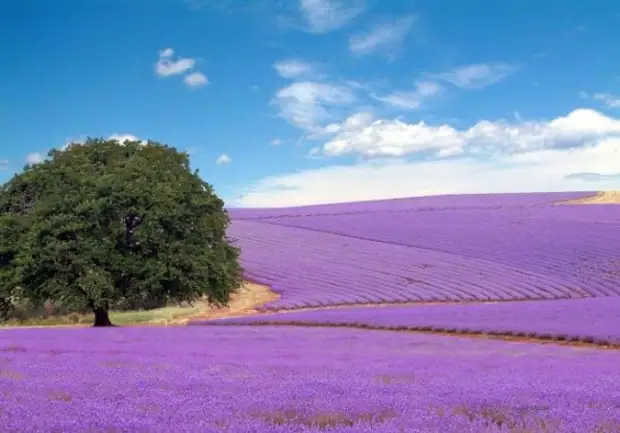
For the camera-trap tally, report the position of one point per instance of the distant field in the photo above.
(595, 320)
(294, 380)
(447, 248)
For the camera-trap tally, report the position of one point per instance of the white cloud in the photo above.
(122, 138)
(363, 135)
(276, 142)
(607, 99)
(579, 151)
(167, 66)
(306, 103)
(34, 158)
(4, 164)
(384, 37)
(412, 100)
(324, 16)
(223, 159)
(293, 68)
(478, 75)
(543, 170)
(196, 79)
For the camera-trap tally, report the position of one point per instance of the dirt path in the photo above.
(504, 336)
(604, 197)
(242, 303)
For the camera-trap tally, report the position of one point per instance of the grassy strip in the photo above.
(505, 336)
(158, 316)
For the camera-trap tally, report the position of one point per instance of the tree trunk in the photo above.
(101, 317)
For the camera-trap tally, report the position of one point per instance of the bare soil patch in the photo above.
(603, 197)
(574, 342)
(242, 303)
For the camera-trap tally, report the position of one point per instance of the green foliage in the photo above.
(103, 225)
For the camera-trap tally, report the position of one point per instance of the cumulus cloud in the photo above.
(34, 158)
(413, 99)
(121, 138)
(542, 170)
(306, 104)
(167, 65)
(323, 16)
(362, 134)
(293, 68)
(477, 75)
(384, 38)
(223, 159)
(566, 153)
(196, 79)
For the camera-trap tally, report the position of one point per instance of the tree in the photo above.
(103, 224)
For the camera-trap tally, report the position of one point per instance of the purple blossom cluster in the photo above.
(286, 380)
(595, 320)
(450, 248)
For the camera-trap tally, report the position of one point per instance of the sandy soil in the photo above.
(242, 303)
(604, 197)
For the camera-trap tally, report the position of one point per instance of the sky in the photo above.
(294, 102)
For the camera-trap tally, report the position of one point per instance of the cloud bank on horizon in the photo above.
(319, 101)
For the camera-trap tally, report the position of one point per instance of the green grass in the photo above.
(158, 316)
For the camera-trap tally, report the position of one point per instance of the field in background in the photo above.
(503, 247)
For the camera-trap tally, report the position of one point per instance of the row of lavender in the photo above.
(539, 240)
(314, 269)
(595, 320)
(294, 380)
(508, 247)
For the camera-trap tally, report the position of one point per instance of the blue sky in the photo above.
(312, 101)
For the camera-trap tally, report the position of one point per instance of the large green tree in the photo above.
(102, 224)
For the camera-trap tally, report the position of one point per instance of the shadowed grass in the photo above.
(158, 316)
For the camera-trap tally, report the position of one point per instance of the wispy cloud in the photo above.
(275, 142)
(196, 79)
(594, 177)
(167, 65)
(294, 68)
(385, 38)
(306, 104)
(4, 164)
(607, 99)
(223, 159)
(477, 75)
(323, 16)
(412, 100)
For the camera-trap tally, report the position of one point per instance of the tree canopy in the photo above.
(103, 225)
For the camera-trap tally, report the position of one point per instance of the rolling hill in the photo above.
(465, 248)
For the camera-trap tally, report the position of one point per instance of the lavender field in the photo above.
(547, 270)
(451, 248)
(275, 379)
(595, 320)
